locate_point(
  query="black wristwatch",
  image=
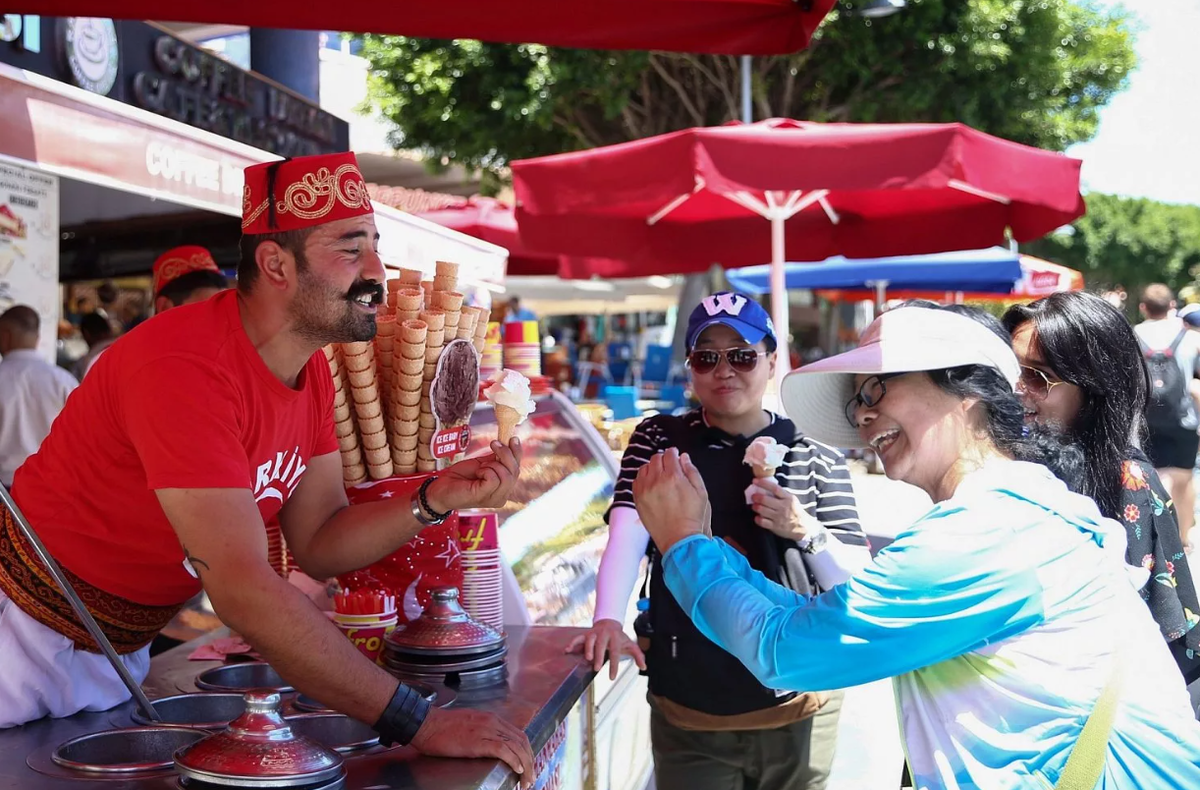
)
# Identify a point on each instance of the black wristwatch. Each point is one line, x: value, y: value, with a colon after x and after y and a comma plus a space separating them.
x: 403, y: 716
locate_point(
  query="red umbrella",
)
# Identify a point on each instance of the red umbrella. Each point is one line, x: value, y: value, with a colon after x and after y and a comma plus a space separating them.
x: 697, y: 197
x: 730, y: 27
x: 494, y: 221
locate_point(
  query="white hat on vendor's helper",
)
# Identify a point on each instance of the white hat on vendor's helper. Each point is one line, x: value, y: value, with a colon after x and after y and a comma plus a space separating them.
x: 902, y: 340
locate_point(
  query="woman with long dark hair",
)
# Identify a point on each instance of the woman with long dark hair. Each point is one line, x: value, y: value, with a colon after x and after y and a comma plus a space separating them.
x: 1082, y: 372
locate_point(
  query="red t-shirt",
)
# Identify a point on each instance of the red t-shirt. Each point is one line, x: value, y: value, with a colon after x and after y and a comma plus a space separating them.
x: 182, y: 401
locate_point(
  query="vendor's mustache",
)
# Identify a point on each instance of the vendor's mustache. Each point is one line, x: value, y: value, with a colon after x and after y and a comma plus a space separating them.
x: 368, y: 288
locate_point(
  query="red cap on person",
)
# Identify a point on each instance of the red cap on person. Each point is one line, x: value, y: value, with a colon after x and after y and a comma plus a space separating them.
x: 299, y: 193
x: 175, y: 263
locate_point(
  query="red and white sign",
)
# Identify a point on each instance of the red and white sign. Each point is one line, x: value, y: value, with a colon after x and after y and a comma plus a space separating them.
x: 449, y: 442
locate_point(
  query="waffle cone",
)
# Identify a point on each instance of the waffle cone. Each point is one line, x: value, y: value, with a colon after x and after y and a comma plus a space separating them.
x: 406, y: 443
x: 435, y: 339
x: 353, y: 355
x: 405, y: 457
x: 426, y: 466
x: 434, y: 318
x: 424, y: 453
x: 442, y: 283
x: 407, y: 413
x: 427, y: 421
x: 424, y: 436
x: 341, y: 411
x: 407, y: 397
x: 361, y: 378
x: 466, y: 332
x: 413, y: 331
x: 354, y: 474
x: 373, y: 442
x: 348, y: 442
x: 394, y: 284
x: 408, y: 382
x: 411, y: 366
x: 365, y: 412
x: 761, y: 472
x: 450, y: 301
x: 430, y: 371
x: 425, y: 388
x: 380, y: 471
x: 433, y: 353
x: 452, y: 319
x: 407, y: 315
x: 365, y: 393
x: 371, y: 425
x: 410, y: 277
x: 409, y: 298
x: 402, y: 428
x: 378, y: 455
x: 344, y: 427
x: 445, y: 269
x: 507, y: 418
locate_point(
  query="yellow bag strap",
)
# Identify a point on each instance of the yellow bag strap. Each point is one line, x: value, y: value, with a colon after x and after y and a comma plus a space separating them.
x: 1085, y: 765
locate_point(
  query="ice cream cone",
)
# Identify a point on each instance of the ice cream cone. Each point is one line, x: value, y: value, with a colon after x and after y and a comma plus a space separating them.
x: 352, y: 353
x: 361, y: 378
x: 371, y: 425
x: 344, y: 427
x: 368, y: 410
x: 412, y: 367
x: 409, y: 382
x: 432, y: 353
x: 405, y: 457
x: 409, y: 298
x: 426, y: 466
x: 354, y: 474
x: 380, y: 471
x: 452, y: 319
x: 406, y: 443
x: 341, y: 412
x: 466, y: 326
x: 404, y: 397
x: 377, y: 456
x: 507, y: 420
x: 427, y: 421
x: 373, y: 442
x: 442, y: 283
x: 348, y: 442
x: 761, y: 472
x: 445, y: 269
x: 365, y: 393
x: 407, y: 413
x: 436, y: 338
x: 403, y: 427
x: 450, y: 301
x: 413, y: 331
x: 410, y: 277
x: 434, y: 318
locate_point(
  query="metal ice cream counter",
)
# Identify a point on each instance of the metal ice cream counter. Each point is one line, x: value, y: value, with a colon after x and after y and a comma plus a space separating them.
x: 538, y: 689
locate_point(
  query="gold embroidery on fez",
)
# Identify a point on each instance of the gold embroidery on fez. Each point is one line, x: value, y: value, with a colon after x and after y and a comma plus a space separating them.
x: 316, y: 194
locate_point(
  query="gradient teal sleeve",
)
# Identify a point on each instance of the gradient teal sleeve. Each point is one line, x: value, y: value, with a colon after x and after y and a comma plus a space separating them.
x: 916, y: 605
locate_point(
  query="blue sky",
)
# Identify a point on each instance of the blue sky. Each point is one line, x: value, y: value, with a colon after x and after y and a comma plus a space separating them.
x: 1149, y: 139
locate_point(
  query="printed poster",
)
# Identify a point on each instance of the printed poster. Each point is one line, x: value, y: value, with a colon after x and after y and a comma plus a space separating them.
x: 29, y: 247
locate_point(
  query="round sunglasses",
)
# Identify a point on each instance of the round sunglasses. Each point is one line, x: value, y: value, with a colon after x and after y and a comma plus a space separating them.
x: 742, y: 360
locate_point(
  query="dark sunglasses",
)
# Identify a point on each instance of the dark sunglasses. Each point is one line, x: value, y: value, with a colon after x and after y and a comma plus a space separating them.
x: 706, y: 360
x: 1035, y: 383
x: 868, y: 395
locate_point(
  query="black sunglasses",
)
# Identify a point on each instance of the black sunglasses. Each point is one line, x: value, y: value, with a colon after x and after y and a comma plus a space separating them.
x: 743, y: 360
x: 868, y: 395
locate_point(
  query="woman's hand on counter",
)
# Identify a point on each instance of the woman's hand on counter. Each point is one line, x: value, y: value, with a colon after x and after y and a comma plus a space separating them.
x: 671, y: 499
x: 607, y: 640
x: 483, y: 482
x: 476, y: 733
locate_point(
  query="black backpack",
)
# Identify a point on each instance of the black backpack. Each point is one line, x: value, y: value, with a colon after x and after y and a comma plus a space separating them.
x: 1167, y: 404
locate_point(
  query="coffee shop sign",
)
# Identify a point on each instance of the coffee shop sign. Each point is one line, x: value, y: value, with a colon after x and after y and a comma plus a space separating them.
x: 188, y: 169
x: 203, y: 91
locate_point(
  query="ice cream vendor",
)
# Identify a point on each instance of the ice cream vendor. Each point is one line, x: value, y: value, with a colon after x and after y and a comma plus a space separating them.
x: 192, y: 431
x: 783, y: 500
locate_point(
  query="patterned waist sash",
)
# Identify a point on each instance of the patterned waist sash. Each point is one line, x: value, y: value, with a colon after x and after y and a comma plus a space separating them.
x: 24, y: 579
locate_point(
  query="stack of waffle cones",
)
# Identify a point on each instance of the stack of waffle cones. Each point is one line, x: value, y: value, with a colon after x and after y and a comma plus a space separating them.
x: 382, y: 412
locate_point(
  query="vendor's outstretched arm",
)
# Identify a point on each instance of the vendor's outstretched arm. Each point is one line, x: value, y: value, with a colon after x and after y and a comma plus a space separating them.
x: 918, y: 604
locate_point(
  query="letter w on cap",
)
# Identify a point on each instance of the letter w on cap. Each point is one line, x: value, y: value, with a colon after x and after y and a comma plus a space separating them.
x: 730, y: 304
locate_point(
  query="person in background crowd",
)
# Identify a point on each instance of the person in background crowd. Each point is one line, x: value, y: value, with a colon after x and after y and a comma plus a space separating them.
x: 185, y: 275
x: 1173, y: 357
x: 32, y: 391
x: 518, y: 313
x: 1020, y: 653
x: 98, y: 333
x: 713, y: 725
x: 1082, y: 373
x: 83, y: 306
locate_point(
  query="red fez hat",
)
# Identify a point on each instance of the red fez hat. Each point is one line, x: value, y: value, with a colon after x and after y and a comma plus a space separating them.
x: 173, y: 264
x: 299, y: 193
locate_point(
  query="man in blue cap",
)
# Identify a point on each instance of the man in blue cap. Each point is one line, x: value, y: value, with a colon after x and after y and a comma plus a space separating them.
x: 713, y: 725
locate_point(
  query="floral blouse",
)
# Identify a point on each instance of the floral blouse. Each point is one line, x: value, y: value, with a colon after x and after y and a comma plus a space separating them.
x: 1154, y: 543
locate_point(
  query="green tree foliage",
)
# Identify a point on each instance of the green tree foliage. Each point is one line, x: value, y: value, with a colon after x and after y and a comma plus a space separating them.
x: 1034, y: 71
x: 1129, y: 242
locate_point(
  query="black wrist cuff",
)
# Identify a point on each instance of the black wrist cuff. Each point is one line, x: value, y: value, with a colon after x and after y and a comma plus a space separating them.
x: 403, y: 716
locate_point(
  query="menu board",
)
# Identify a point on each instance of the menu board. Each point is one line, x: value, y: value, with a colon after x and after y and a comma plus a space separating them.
x: 29, y: 247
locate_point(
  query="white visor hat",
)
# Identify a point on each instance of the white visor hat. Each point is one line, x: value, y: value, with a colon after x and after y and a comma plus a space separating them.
x: 903, y: 340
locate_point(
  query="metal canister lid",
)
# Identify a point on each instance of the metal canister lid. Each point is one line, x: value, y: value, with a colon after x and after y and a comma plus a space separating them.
x: 258, y: 750
x: 444, y: 628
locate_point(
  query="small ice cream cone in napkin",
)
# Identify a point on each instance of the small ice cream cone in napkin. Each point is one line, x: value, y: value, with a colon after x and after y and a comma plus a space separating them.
x: 764, y: 456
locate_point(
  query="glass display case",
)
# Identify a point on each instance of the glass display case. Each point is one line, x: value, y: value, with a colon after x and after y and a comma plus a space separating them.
x: 552, y: 532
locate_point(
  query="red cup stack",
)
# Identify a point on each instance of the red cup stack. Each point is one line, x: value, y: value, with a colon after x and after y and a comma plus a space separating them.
x: 482, y: 576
